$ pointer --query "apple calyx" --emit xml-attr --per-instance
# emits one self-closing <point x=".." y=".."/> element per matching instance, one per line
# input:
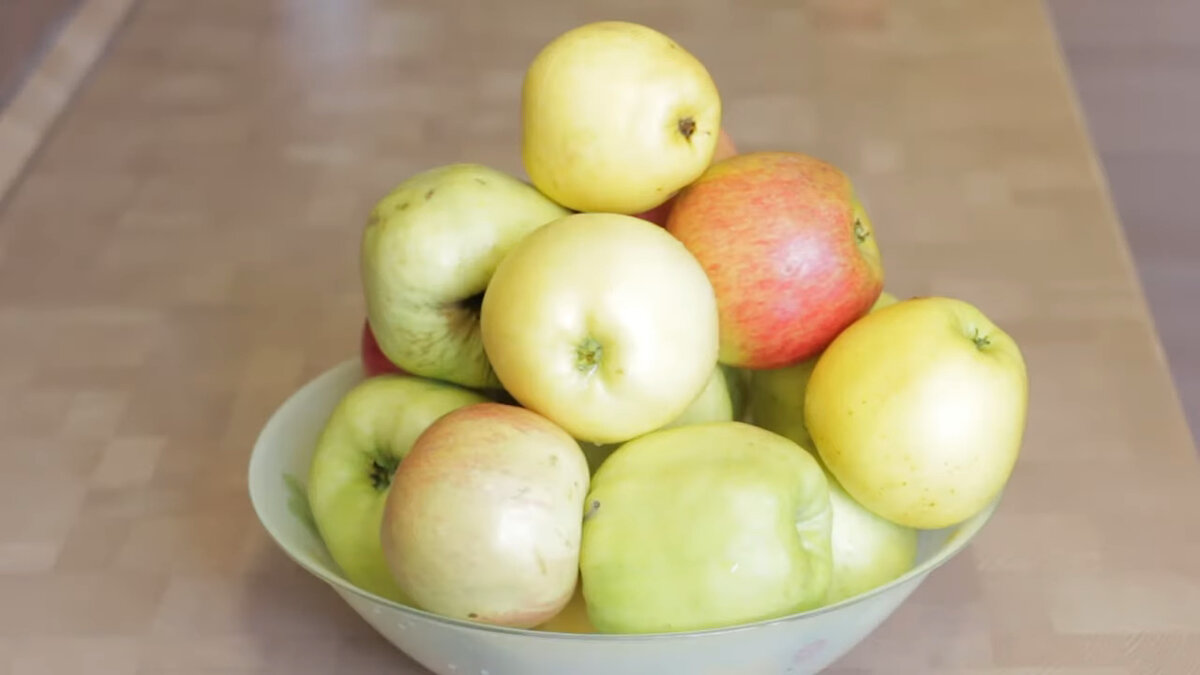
<point x="588" y="355"/>
<point x="860" y="231"/>
<point x="383" y="467"/>
<point x="687" y="127"/>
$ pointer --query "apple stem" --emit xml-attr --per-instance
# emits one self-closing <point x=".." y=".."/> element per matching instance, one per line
<point x="687" y="127"/>
<point x="592" y="509"/>
<point x="588" y="355"/>
<point x="981" y="341"/>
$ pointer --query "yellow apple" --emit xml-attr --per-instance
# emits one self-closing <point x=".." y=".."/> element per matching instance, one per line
<point x="603" y="323"/>
<point x="918" y="410"/>
<point x="617" y="117"/>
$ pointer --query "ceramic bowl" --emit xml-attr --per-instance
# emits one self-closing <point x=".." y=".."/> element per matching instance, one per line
<point x="801" y="643"/>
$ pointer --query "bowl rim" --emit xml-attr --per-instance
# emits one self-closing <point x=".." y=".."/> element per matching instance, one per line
<point x="959" y="539"/>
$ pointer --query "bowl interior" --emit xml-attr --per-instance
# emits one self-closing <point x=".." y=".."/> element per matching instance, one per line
<point x="279" y="468"/>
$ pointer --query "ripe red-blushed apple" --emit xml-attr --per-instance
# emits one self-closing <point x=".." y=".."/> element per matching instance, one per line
<point x="374" y="362"/>
<point x="788" y="248"/>
<point x="725" y="150"/>
<point x="483" y="521"/>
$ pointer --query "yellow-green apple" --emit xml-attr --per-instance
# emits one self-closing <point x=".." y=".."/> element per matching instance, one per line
<point x="777" y="394"/>
<point x="483" y="520"/>
<point x="427" y="253"/>
<point x="367" y="436"/>
<point x="616" y="117"/>
<point x="868" y="550"/>
<point x="374" y="361"/>
<point x="789" y="250"/>
<point x="603" y="323"/>
<point x="918" y="409"/>
<point x="721" y="400"/>
<point x="658" y="214"/>
<point x="704" y="526"/>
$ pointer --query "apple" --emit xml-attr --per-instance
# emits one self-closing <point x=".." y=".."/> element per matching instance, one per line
<point x="868" y="551"/>
<point x="483" y="521"/>
<point x="705" y="526"/>
<point x="789" y="250"/>
<point x="721" y="400"/>
<point x="374" y="361"/>
<point x="777" y="394"/>
<point x="602" y="322"/>
<point x="918" y="409"/>
<point x="427" y="253"/>
<point x="369" y="434"/>
<point x="658" y="214"/>
<point x="616" y="117"/>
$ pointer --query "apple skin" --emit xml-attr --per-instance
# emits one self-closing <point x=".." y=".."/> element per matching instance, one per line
<point x="789" y="250"/>
<point x="374" y="361"/>
<point x="868" y="551"/>
<point x="427" y="253"/>
<point x="483" y="521"/>
<point x="721" y="400"/>
<point x="918" y="409"/>
<point x="705" y="526"/>
<point x="370" y="431"/>
<point x="777" y="394"/>
<point x="616" y="116"/>
<point x="603" y="323"/>
<point x="658" y="215"/>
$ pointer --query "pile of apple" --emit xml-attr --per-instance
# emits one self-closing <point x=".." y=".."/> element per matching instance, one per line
<point x="656" y="387"/>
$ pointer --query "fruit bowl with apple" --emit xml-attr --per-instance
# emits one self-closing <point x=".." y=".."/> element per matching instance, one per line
<point x="649" y="410"/>
<point x="804" y="642"/>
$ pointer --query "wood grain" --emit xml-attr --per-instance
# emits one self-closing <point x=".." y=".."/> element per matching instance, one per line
<point x="181" y="255"/>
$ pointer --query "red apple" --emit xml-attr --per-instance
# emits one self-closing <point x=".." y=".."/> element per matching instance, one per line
<point x="789" y="250"/>
<point x="725" y="149"/>
<point x="374" y="362"/>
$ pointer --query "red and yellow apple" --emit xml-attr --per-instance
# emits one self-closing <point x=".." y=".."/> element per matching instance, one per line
<point x="788" y="248"/>
<point x="483" y="519"/>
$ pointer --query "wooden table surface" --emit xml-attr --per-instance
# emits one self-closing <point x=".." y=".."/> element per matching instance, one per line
<point x="181" y="255"/>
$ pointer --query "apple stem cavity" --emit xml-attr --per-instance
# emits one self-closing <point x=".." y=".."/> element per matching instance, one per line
<point x="687" y="127"/>
<point x="588" y="355"/>
<point x="383" y="467"/>
<point x="860" y="232"/>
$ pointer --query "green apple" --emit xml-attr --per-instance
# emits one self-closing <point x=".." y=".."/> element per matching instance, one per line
<point x="366" y="437"/>
<point x="777" y="394"/>
<point x="617" y="117"/>
<point x="427" y="253"/>
<point x="705" y="526"/>
<point x="483" y="521"/>
<point x="721" y="400"/>
<point x="868" y="551"/>
<point x="603" y="323"/>
<point x="918" y="409"/>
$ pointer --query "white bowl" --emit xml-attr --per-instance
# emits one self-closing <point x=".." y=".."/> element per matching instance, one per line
<point x="802" y="643"/>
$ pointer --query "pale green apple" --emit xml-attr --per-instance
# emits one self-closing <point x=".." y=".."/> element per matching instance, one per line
<point x="366" y="437"/>
<point x="427" y="254"/>
<point x="721" y="400"/>
<point x="868" y="551"/>
<point x="617" y="117"/>
<point x="918" y="409"/>
<point x="483" y="521"/>
<point x="777" y="394"/>
<point x="603" y="323"/>
<point x="705" y="526"/>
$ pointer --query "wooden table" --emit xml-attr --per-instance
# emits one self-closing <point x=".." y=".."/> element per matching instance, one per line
<point x="181" y="255"/>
